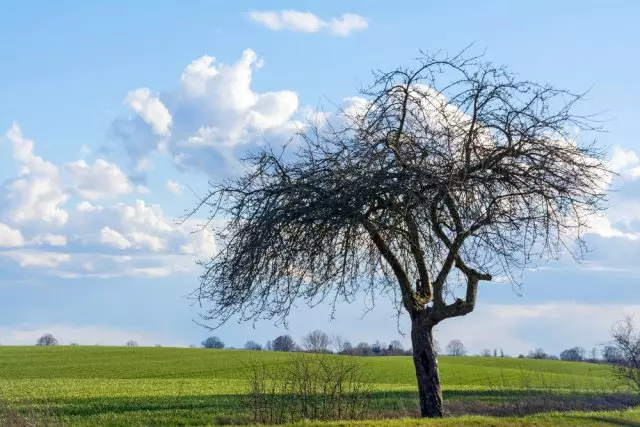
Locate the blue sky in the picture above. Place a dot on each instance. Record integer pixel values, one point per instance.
(110, 111)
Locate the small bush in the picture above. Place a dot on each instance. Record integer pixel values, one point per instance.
(314, 387)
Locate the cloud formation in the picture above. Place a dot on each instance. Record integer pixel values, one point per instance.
(55, 220)
(204, 122)
(307, 22)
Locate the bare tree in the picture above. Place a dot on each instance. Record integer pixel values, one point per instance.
(341, 344)
(447, 175)
(47, 340)
(213, 342)
(485, 353)
(132, 343)
(252, 345)
(316, 342)
(456, 348)
(283, 343)
(626, 341)
(395, 348)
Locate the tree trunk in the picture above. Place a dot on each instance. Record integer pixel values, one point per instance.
(426, 363)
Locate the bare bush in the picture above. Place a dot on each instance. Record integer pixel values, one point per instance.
(315, 387)
(626, 340)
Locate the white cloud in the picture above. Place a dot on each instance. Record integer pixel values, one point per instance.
(307, 22)
(215, 113)
(174, 187)
(35, 195)
(625, 162)
(347, 24)
(29, 258)
(150, 109)
(10, 237)
(50, 239)
(113, 238)
(97, 181)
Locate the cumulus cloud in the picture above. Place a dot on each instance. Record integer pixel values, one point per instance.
(99, 240)
(10, 237)
(35, 195)
(307, 22)
(97, 181)
(150, 109)
(214, 114)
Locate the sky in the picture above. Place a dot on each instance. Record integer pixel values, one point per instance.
(115, 115)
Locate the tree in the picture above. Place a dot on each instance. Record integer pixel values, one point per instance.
(316, 342)
(485, 353)
(362, 349)
(46, 340)
(252, 345)
(283, 343)
(447, 174)
(626, 341)
(341, 344)
(538, 353)
(575, 354)
(132, 343)
(611, 354)
(456, 348)
(213, 342)
(395, 348)
(502, 353)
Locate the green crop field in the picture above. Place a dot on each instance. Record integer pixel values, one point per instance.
(171, 386)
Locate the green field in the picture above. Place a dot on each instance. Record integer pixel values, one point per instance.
(171, 386)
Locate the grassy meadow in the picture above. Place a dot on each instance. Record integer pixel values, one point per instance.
(170, 386)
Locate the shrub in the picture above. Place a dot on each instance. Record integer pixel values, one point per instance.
(315, 387)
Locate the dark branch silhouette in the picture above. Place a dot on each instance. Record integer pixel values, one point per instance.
(449, 174)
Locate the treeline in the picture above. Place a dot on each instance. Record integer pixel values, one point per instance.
(319, 342)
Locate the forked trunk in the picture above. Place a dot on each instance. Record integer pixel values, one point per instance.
(426, 363)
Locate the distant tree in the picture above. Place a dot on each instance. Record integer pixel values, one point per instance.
(456, 348)
(575, 354)
(316, 342)
(132, 343)
(341, 345)
(158, 345)
(538, 353)
(436, 348)
(626, 340)
(192, 346)
(252, 345)
(611, 354)
(495, 352)
(485, 353)
(47, 340)
(73, 344)
(501, 353)
(593, 356)
(363, 349)
(395, 348)
(378, 348)
(213, 342)
(283, 343)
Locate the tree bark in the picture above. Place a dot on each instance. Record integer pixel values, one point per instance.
(426, 363)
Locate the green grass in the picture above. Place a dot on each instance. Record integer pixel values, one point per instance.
(170, 386)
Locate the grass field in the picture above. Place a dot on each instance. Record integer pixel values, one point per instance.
(170, 386)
